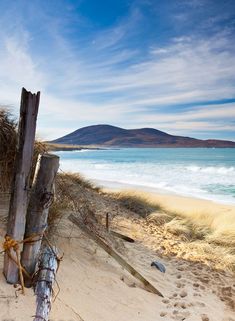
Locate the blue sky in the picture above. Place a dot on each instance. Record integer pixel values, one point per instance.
(141, 63)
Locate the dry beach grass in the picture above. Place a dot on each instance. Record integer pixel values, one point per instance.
(210, 232)
(207, 238)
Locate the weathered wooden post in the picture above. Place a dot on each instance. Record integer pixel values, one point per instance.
(107, 222)
(47, 268)
(40, 200)
(20, 186)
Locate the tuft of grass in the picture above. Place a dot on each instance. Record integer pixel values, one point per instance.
(8, 149)
(8, 139)
(77, 179)
(159, 218)
(70, 194)
(220, 227)
(187, 228)
(56, 212)
(222, 258)
(222, 238)
(179, 227)
(137, 203)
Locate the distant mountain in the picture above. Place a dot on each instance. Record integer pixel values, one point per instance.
(111, 136)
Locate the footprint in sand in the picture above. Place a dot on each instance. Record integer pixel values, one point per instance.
(179, 315)
(183, 294)
(173, 296)
(183, 305)
(227, 290)
(230, 302)
(180, 268)
(204, 317)
(204, 279)
(196, 285)
(200, 304)
(180, 285)
(216, 276)
(163, 314)
(128, 282)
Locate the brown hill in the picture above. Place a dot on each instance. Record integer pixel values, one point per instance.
(111, 136)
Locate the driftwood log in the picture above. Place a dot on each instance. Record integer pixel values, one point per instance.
(47, 268)
(78, 222)
(20, 185)
(40, 200)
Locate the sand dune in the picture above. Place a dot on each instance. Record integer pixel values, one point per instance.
(93, 287)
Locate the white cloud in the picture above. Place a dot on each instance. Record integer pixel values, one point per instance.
(106, 81)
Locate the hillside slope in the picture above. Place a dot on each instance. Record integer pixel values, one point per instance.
(106, 135)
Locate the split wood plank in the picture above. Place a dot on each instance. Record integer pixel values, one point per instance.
(115, 255)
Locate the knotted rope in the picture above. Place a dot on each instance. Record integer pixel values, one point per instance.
(9, 244)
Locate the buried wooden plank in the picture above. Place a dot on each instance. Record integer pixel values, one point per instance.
(115, 255)
(122, 236)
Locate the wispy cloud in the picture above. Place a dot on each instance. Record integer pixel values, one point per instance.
(108, 77)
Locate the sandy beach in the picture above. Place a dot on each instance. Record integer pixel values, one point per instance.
(93, 287)
(170, 200)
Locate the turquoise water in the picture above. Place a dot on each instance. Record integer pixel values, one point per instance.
(199, 172)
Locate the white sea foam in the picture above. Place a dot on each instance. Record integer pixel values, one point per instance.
(212, 169)
(198, 179)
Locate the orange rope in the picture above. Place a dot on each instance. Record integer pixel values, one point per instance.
(9, 244)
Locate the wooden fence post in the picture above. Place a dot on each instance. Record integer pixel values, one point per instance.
(20, 185)
(40, 200)
(107, 222)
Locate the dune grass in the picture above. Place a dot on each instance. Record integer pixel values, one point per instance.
(205, 236)
(71, 193)
(218, 228)
(159, 218)
(8, 141)
(198, 236)
(67, 178)
(8, 149)
(137, 203)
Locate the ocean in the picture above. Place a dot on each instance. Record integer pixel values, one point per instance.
(207, 173)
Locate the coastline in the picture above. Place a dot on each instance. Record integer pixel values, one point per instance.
(160, 193)
(171, 201)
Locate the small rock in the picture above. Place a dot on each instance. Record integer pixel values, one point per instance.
(159, 266)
